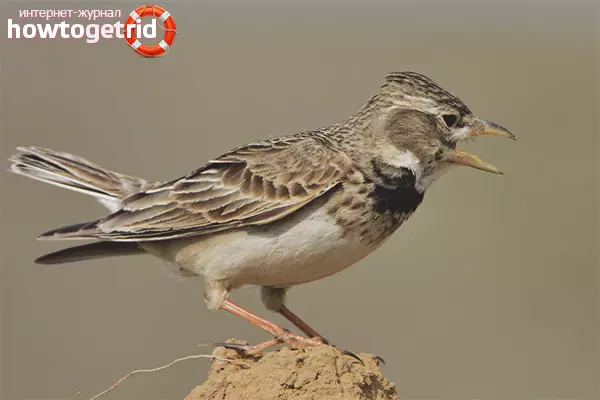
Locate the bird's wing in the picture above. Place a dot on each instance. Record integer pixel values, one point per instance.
(252, 185)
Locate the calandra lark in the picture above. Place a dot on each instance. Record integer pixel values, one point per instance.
(278, 212)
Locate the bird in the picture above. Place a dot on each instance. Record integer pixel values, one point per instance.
(278, 212)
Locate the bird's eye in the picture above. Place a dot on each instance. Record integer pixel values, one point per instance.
(450, 120)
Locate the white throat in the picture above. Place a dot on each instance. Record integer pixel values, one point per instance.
(407, 159)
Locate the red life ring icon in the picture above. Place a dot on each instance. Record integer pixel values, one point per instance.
(164, 16)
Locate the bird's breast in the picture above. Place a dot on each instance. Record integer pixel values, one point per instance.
(304, 246)
(378, 205)
(395, 200)
(394, 189)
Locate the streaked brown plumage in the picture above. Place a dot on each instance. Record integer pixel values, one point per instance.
(279, 212)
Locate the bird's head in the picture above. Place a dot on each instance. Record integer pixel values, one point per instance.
(419, 124)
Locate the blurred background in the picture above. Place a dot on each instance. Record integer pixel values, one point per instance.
(489, 291)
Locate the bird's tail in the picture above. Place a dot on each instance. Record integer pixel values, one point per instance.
(78, 174)
(90, 251)
(75, 173)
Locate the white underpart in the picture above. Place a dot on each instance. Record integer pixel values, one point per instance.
(309, 246)
(176, 273)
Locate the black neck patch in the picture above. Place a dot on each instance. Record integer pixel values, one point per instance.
(395, 192)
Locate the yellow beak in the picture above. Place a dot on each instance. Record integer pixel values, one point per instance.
(492, 128)
(483, 127)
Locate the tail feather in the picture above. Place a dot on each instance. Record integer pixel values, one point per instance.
(83, 230)
(89, 252)
(75, 173)
(80, 175)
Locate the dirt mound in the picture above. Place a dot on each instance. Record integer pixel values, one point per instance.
(319, 372)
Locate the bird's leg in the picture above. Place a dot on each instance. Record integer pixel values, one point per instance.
(303, 326)
(216, 298)
(274, 299)
(280, 335)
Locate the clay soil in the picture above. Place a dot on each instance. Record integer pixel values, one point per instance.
(319, 372)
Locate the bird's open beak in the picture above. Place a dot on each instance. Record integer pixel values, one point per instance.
(482, 127)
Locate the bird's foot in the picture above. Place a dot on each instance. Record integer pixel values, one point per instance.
(280, 334)
(297, 341)
(293, 340)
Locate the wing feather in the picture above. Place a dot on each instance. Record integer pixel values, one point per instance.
(252, 185)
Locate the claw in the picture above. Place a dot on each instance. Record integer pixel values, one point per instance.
(244, 349)
(232, 346)
(381, 360)
(351, 354)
